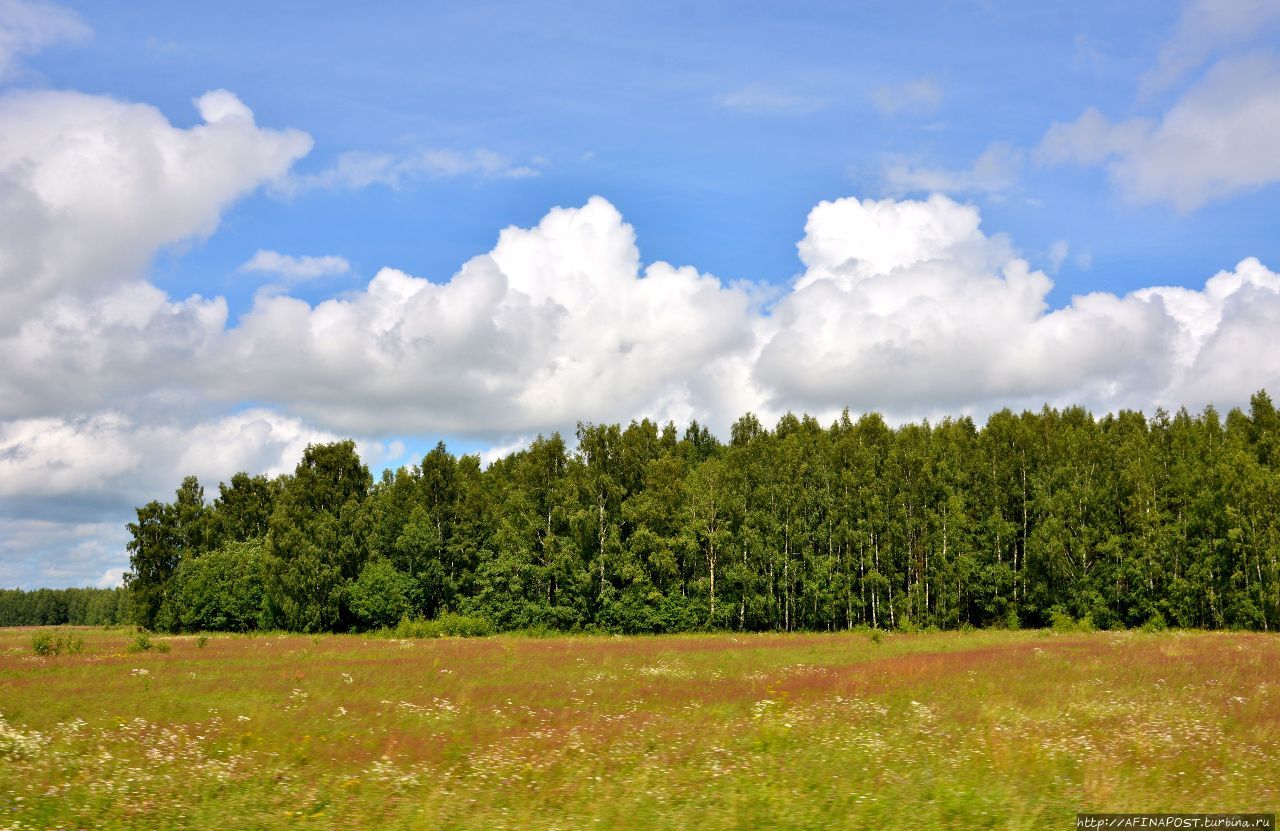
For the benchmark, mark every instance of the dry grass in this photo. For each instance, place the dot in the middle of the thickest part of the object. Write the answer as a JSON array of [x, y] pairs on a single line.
[[958, 730]]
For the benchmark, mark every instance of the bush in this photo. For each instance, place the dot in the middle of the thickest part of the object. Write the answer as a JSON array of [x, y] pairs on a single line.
[[221, 591], [142, 642], [380, 595], [446, 625], [1061, 621], [1011, 620], [202, 641], [48, 644]]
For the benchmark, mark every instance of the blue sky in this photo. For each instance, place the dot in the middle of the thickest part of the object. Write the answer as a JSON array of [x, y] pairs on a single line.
[[228, 230], [627, 101]]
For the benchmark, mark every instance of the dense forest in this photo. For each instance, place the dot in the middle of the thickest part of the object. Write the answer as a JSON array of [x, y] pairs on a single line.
[[56, 607], [1119, 521]]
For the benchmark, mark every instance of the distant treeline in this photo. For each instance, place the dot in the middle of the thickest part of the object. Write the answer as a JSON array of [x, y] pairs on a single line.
[[1122, 520], [57, 607]]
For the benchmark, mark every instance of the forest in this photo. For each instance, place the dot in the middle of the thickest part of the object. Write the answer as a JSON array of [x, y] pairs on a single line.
[[1116, 521]]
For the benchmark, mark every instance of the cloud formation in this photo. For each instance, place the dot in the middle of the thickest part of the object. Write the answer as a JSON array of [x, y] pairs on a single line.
[[358, 169], [294, 269], [92, 187], [757, 99], [995, 171], [1220, 139], [111, 390], [28, 27], [1204, 27], [919, 96]]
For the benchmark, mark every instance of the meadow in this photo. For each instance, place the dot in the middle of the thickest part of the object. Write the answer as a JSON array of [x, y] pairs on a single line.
[[981, 729]]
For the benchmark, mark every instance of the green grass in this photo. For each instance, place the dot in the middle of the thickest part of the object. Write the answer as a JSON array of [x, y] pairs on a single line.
[[994, 729]]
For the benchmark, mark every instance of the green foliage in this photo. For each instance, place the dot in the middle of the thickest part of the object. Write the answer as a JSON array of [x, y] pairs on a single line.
[[218, 591], [1060, 620], [1055, 518], [316, 539], [50, 644], [143, 642], [64, 607], [447, 625], [1155, 623], [380, 595], [202, 641]]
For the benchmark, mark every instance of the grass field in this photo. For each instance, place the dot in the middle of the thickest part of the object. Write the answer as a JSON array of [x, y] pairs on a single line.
[[945, 730]]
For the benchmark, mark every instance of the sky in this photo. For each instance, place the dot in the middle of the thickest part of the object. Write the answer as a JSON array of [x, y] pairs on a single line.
[[230, 230]]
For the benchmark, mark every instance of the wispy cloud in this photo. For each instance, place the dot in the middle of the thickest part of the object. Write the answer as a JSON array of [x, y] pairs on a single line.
[[1221, 138], [919, 96], [764, 100], [996, 170], [360, 169], [29, 26], [295, 269], [1204, 28]]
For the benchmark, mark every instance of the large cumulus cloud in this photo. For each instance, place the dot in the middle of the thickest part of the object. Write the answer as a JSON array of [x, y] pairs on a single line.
[[91, 187], [111, 390]]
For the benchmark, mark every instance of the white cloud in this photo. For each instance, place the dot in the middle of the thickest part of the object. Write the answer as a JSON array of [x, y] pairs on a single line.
[[68, 485], [36, 553], [1058, 252], [919, 96], [111, 390], [1204, 27], [91, 187], [556, 323], [295, 269], [764, 100], [132, 347], [1221, 138], [909, 307], [995, 171], [359, 169], [28, 27]]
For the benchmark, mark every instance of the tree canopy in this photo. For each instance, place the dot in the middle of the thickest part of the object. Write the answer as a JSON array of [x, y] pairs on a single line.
[[1124, 519]]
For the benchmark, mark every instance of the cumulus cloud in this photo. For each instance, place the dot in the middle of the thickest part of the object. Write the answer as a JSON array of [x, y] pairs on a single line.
[[995, 171], [91, 187], [1221, 138], [39, 552], [918, 96], [68, 484], [107, 462], [295, 269], [764, 100], [557, 322], [908, 306], [359, 169], [111, 390], [28, 27]]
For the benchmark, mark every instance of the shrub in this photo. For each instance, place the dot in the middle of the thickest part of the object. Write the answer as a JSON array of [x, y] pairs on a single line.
[[380, 595], [202, 641], [142, 642], [1011, 620], [446, 625], [1061, 621], [48, 644]]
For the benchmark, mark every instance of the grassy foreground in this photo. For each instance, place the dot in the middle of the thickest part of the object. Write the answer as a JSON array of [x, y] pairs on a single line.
[[1009, 730]]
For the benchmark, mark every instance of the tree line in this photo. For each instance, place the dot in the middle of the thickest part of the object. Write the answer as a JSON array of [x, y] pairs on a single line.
[[1119, 521], [58, 607]]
